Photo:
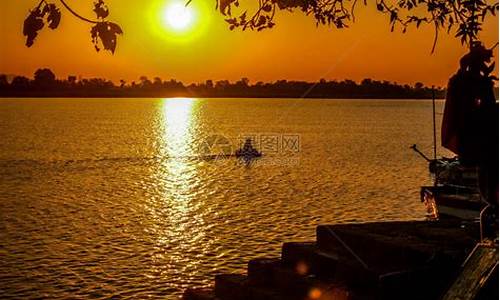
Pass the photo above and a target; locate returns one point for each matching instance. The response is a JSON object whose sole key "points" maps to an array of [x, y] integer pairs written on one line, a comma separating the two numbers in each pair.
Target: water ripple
{"points": [[128, 209]]}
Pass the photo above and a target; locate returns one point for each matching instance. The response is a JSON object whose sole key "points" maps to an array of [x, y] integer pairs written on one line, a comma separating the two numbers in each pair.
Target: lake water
{"points": [[123, 198]]}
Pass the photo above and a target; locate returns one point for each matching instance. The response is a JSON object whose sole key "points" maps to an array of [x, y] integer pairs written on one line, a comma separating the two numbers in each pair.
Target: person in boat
{"points": [[248, 150], [470, 119]]}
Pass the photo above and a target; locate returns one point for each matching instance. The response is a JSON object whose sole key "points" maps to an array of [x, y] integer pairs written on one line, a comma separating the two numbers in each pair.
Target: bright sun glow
{"points": [[178, 16]]}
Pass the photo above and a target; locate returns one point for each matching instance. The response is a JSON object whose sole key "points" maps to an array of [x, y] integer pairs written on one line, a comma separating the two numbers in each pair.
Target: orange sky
{"points": [[295, 49]]}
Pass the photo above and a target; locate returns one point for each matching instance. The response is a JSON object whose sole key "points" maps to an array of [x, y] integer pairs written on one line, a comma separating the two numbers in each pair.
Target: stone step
{"points": [[279, 282], [339, 268], [306, 259], [231, 286], [405, 260], [237, 287], [369, 251], [415, 284], [292, 283], [383, 260], [261, 271], [402, 240], [199, 294]]}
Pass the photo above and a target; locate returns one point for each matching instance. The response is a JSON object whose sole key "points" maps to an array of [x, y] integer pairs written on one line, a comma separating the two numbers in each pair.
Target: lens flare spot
{"points": [[315, 293], [302, 268]]}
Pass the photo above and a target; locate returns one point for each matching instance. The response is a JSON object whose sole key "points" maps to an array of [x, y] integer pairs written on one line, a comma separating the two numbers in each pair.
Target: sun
{"points": [[173, 22], [178, 16]]}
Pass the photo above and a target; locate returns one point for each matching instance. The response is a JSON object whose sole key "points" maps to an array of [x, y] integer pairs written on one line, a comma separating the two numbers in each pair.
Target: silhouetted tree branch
{"points": [[103, 33], [76, 14], [465, 17]]}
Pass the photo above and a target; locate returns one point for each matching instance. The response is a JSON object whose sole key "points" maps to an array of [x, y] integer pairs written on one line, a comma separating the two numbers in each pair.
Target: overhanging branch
{"points": [[74, 13]]}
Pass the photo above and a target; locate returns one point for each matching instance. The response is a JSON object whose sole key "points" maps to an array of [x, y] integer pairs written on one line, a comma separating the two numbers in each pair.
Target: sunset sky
{"points": [[294, 50]]}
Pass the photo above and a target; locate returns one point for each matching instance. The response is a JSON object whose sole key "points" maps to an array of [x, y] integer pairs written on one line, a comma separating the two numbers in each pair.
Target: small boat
{"points": [[445, 201], [247, 152], [455, 193]]}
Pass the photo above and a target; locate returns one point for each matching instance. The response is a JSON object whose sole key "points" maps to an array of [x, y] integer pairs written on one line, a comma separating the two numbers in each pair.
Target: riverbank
{"points": [[46, 85]]}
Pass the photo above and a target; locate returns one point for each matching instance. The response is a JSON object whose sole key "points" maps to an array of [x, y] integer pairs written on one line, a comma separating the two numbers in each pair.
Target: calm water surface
{"points": [[102, 198]]}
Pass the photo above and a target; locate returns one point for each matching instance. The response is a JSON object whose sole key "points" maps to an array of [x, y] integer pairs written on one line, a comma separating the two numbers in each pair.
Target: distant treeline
{"points": [[45, 84]]}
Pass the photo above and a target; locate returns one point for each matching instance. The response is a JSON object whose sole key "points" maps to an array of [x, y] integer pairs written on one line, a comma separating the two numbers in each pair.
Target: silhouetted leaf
{"points": [[394, 16], [243, 17], [287, 4], [225, 6], [33, 24], [232, 21], [262, 21], [54, 16], [267, 7], [100, 9], [106, 33]]}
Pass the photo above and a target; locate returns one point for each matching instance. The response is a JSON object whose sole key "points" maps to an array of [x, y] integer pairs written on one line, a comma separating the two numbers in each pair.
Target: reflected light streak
{"points": [[177, 173], [178, 211], [177, 119]]}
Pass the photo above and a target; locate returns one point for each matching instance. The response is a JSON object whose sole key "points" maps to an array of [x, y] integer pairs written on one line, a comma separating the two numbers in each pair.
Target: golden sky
{"points": [[294, 50]]}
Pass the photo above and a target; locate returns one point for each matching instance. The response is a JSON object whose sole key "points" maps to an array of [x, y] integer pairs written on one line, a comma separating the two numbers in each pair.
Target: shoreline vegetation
{"points": [[46, 85]]}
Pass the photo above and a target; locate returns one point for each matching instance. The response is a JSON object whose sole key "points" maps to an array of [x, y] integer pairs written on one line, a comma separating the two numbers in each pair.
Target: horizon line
{"points": [[79, 78]]}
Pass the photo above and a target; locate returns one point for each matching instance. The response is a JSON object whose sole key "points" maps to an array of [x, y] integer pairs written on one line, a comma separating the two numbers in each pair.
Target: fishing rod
{"points": [[434, 120], [414, 148]]}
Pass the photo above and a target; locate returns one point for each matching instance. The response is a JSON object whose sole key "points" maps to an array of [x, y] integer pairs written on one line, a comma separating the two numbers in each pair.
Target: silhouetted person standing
{"points": [[470, 120]]}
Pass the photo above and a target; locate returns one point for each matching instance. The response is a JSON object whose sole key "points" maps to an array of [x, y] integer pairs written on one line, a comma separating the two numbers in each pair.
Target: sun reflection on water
{"points": [[177, 120], [178, 172], [177, 211]]}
